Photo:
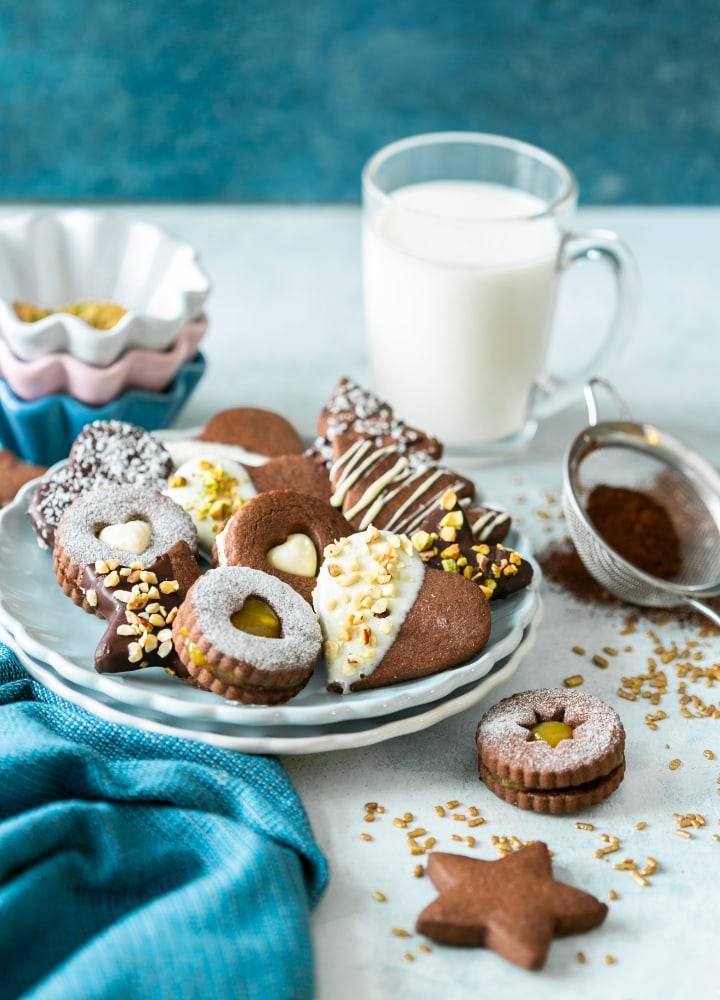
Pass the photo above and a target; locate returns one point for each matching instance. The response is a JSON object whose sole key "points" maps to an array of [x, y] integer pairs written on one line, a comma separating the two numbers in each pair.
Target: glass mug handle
{"points": [[553, 393]]}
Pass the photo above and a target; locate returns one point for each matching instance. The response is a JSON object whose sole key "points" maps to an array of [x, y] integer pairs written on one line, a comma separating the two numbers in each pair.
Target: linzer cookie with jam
{"points": [[552, 750], [247, 636], [386, 618]]}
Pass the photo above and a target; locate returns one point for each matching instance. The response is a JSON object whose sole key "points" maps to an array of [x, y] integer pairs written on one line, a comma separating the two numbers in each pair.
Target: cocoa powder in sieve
{"points": [[563, 568], [638, 528]]}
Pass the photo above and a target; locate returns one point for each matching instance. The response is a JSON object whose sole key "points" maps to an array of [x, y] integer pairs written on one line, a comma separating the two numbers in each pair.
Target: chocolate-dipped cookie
{"points": [[139, 602], [386, 618], [105, 452], [120, 524]]}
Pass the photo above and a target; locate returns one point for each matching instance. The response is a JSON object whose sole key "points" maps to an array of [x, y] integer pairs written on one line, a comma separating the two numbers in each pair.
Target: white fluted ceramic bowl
{"points": [[53, 258]]}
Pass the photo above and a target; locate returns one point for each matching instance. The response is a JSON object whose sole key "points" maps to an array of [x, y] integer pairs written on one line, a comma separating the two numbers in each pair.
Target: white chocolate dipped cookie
{"points": [[386, 618]]}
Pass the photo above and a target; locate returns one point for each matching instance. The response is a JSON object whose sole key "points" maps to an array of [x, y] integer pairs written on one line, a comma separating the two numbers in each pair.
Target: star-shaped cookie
{"points": [[513, 906]]}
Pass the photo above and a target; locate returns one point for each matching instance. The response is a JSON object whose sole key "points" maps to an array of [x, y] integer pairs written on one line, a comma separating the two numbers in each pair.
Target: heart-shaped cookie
{"points": [[386, 618], [257, 536]]}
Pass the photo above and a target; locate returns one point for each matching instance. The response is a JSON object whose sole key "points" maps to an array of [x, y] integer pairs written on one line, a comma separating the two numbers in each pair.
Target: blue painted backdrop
{"points": [[283, 100]]}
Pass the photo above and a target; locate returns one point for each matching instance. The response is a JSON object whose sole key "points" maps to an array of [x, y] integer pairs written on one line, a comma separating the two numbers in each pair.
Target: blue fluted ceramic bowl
{"points": [[43, 430]]}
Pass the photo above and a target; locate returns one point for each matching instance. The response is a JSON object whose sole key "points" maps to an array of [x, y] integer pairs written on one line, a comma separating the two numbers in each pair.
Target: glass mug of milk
{"points": [[465, 239]]}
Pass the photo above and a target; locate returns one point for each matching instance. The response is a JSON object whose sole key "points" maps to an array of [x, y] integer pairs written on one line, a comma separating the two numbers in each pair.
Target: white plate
{"points": [[284, 740], [43, 622]]}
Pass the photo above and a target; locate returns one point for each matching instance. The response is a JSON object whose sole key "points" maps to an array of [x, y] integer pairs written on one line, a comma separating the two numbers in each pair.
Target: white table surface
{"points": [[286, 322]]}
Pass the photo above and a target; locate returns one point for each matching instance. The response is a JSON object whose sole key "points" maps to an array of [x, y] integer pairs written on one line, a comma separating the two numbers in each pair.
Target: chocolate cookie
{"points": [[105, 452], [139, 602], [247, 636], [386, 618], [284, 533], [446, 540], [514, 905], [120, 524], [354, 412], [388, 488], [14, 473], [293, 472], [552, 750], [257, 430]]}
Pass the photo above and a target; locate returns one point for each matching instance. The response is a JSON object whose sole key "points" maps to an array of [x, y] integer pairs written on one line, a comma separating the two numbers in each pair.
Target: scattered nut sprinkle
{"points": [[365, 836], [690, 819], [418, 871], [609, 960], [585, 826], [641, 825], [640, 875], [579, 650], [600, 661], [613, 845], [400, 932], [574, 681], [581, 957], [425, 948], [612, 894], [380, 896], [675, 764], [408, 957], [709, 754]]}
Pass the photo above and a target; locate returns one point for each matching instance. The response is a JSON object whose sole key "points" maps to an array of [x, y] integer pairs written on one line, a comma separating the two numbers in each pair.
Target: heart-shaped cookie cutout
{"points": [[297, 554], [130, 536]]}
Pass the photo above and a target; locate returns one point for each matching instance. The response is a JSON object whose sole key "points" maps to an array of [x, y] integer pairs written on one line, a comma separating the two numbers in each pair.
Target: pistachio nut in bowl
{"points": [[94, 283]]}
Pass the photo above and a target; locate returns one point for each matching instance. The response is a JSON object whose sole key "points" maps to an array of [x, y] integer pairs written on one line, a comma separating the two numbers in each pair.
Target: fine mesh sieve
{"points": [[640, 457]]}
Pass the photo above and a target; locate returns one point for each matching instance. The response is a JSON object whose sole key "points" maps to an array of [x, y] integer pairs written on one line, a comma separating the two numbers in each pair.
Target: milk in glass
{"points": [[460, 284]]}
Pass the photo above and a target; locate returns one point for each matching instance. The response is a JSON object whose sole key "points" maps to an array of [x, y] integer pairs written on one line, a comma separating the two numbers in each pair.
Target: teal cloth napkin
{"points": [[138, 865]]}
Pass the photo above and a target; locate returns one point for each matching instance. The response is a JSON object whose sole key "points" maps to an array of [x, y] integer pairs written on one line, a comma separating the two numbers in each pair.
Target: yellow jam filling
{"points": [[552, 732], [257, 618]]}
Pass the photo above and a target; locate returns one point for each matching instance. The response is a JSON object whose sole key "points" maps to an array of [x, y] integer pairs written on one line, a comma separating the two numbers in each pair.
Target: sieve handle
{"points": [[704, 609], [595, 245]]}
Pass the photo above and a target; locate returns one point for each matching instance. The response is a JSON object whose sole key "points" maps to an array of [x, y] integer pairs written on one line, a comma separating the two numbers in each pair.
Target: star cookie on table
{"points": [[512, 906]]}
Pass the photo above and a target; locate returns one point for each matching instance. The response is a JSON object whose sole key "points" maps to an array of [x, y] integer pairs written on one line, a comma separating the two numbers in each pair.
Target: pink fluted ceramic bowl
{"points": [[43, 430], [137, 368]]}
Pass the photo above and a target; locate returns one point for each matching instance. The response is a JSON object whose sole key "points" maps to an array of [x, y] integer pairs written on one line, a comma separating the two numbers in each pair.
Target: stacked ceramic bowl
{"points": [[101, 317]]}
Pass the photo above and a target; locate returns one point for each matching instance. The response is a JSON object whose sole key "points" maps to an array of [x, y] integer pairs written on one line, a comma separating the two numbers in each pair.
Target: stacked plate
{"points": [[100, 317], [56, 642]]}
